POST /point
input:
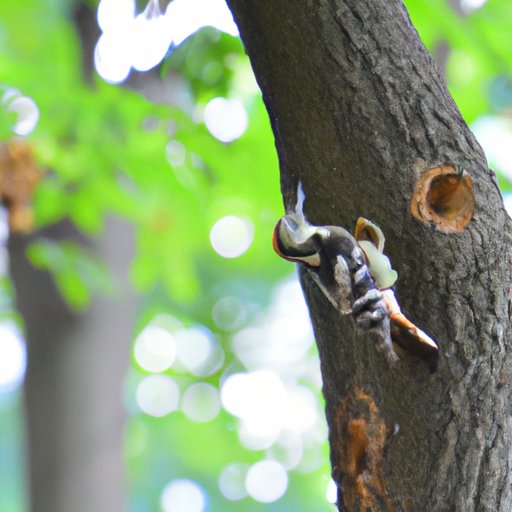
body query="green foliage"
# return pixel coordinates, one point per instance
(78, 273)
(210, 60)
(7, 121)
(477, 46)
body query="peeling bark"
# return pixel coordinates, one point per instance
(359, 112)
(358, 436)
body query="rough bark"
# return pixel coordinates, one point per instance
(73, 386)
(359, 110)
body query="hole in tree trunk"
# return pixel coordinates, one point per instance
(444, 199)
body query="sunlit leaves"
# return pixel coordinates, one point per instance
(476, 43)
(208, 60)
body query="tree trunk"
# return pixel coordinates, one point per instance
(360, 112)
(73, 386)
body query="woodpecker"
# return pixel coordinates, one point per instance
(354, 274)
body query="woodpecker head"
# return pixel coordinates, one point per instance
(293, 235)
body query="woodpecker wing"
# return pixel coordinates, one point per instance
(338, 289)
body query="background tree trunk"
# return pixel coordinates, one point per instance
(359, 111)
(73, 387)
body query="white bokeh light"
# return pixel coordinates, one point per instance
(495, 136)
(258, 399)
(288, 449)
(4, 226)
(278, 411)
(142, 41)
(113, 14)
(256, 440)
(4, 261)
(13, 357)
(198, 352)
(232, 481)
(28, 115)
(301, 412)
(4, 235)
(289, 324)
(201, 402)
(312, 456)
(469, 6)
(184, 17)
(24, 107)
(157, 395)
(183, 495)
(267, 409)
(226, 119)
(266, 481)
(155, 349)
(232, 236)
(112, 62)
(229, 313)
(194, 347)
(331, 493)
(153, 38)
(284, 338)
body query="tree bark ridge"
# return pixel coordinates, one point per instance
(359, 112)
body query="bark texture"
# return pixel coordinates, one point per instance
(359, 110)
(73, 387)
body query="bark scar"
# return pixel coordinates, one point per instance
(358, 435)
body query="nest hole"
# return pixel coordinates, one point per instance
(444, 198)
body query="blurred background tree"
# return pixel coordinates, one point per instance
(153, 217)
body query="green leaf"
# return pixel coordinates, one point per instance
(77, 272)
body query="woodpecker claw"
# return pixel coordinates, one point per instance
(353, 273)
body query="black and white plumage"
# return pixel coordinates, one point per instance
(337, 263)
